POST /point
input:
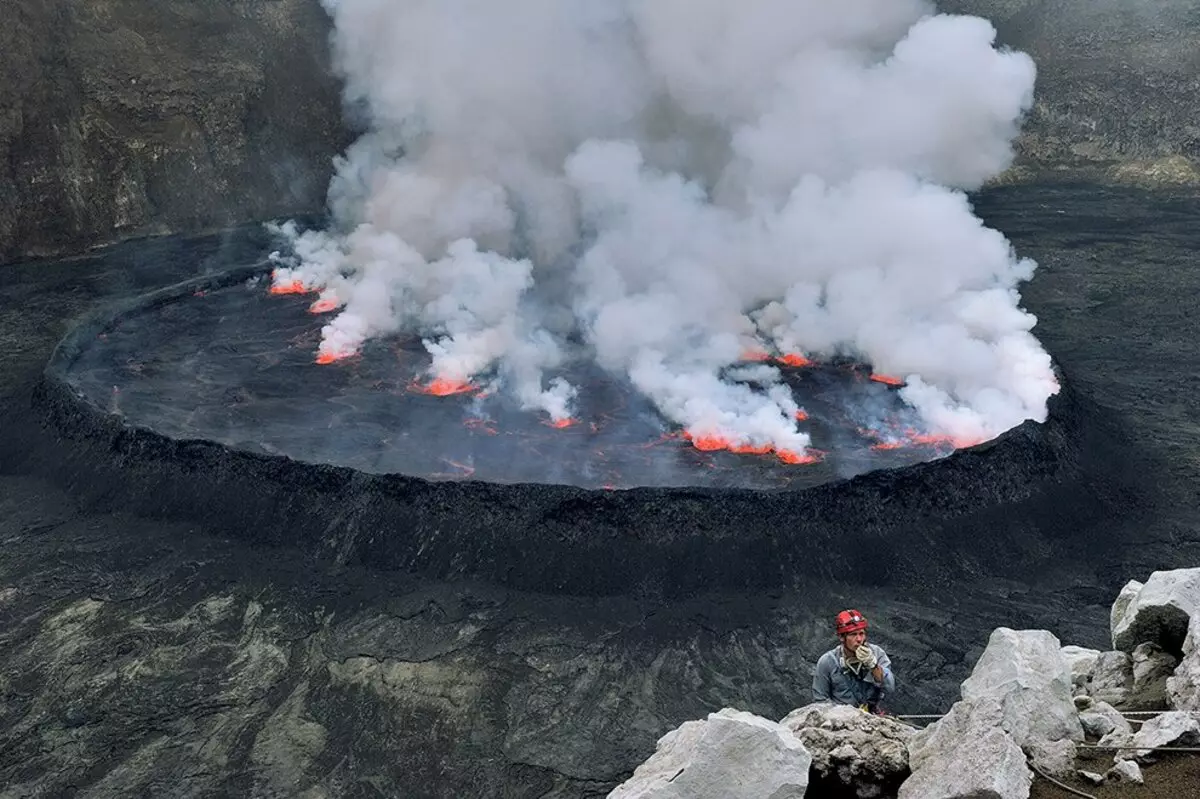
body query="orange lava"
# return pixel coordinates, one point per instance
(755, 355)
(887, 380)
(714, 443)
(559, 424)
(800, 415)
(322, 306)
(325, 358)
(441, 387)
(807, 459)
(294, 287)
(794, 359)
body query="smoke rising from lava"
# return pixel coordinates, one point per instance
(676, 183)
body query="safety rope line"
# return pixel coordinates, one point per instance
(1062, 785)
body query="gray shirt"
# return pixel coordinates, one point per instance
(851, 684)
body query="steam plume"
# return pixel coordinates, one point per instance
(674, 182)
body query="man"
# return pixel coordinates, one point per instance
(855, 673)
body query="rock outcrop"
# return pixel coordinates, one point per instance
(849, 748)
(1157, 611)
(730, 755)
(134, 117)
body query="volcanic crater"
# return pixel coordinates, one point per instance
(204, 400)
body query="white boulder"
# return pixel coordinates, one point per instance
(1101, 718)
(1025, 672)
(966, 754)
(1125, 771)
(729, 755)
(1112, 678)
(1173, 728)
(1082, 662)
(1183, 687)
(1158, 611)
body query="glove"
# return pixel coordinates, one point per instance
(866, 657)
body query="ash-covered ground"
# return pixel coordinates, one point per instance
(145, 657)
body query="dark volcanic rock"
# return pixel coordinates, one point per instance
(136, 116)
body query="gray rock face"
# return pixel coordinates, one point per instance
(964, 755)
(1158, 612)
(1025, 672)
(1101, 718)
(1112, 678)
(1152, 667)
(131, 117)
(851, 749)
(730, 755)
(1174, 728)
(1081, 662)
(1183, 687)
(135, 117)
(1125, 771)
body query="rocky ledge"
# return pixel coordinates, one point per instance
(1031, 707)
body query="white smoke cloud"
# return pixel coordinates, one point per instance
(674, 182)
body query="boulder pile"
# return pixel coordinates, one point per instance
(1028, 705)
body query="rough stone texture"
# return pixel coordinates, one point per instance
(852, 750)
(1101, 718)
(1125, 771)
(1024, 671)
(1160, 611)
(966, 754)
(1112, 678)
(1082, 662)
(730, 755)
(1183, 687)
(1152, 667)
(1173, 728)
(129, 117)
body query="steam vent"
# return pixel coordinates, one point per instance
(205, 401)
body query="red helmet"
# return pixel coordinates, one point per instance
(850, 621)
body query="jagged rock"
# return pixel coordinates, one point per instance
(730, 755)
(1101, 718)
(1158, 611)
(866, 752)
(1112, 678)
(1151, 668)
(1173, 728)
(1125, 771)
(1092, 777)
(1081, 662)
(967, 755)
(1183, 687)
(1026, 673)
(1056, 758)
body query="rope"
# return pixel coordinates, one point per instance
(1064, 786)
(1140, 748)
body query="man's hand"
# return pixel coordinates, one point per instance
(866, 657)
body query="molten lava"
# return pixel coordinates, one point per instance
(443, 387)
(715, 443)
(794, 359)
(323, 306)
(559, 424)
(293, 287)
(887, 380)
